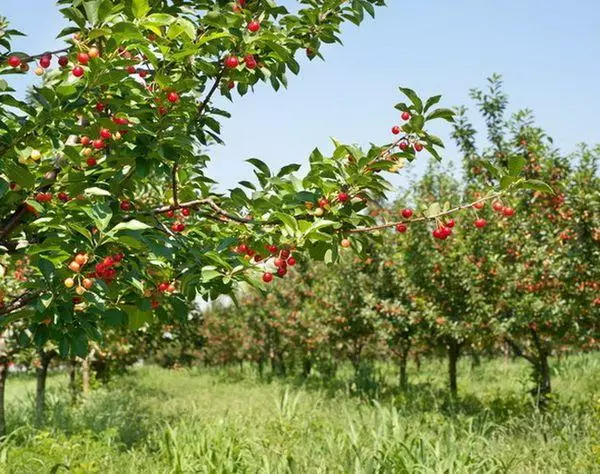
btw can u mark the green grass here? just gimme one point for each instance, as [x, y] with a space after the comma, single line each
[188, 421]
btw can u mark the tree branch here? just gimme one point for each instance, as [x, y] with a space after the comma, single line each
[388, 225]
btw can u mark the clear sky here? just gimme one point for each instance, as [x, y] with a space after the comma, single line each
[546, 50]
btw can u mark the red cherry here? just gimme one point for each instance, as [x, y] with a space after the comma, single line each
[62, 196]
[125, 205]
[232, 62]
[271, 248]
[343, 197]
[480, 223]
[243, 248]
[77, 71]
[437, 233]
[131, 69]
[267, 277]
[401, 228]
[230, 85]
[281, 271]
[253, 26]
[418, 147]
[250, 61]
[180, 227]
[497, 206]
[14, 61]
[508, 211]
[91, 161]
[170, 213]
[173, 97]
[98, 144]
[185, 211]
[407, 213]
[63, 61]
[162, 111]
[447, 231]
[40, 197]
[143, 73]
[323, 202]
[45, 61]
[396, 129]
[285, 253]
[100, 107]
[163, 287]
[85, 141]
[118, 257]
[120, 120]
[291, 261]
[258, 258]
[451, 223]
[105, 133]
[279, 262]
[405, 116]
[155, 304]
[83, 58]
[403, 145]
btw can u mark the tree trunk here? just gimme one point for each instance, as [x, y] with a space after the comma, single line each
[453, 355]
[403, 362]
[417, 358]
[541, 372]
[306, 367]
[73, 380]
[40, 389]
[3, 377]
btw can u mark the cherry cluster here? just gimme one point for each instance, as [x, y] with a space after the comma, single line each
[404, 144]
[281, 259]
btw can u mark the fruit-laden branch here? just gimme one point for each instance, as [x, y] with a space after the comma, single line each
[388, 225]
[207, 202]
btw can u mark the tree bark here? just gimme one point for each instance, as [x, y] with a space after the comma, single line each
[453, 355]
[40, 389]
[306, 367]
[3, 377]
[73, 380]
[403, 362]
[541, 372]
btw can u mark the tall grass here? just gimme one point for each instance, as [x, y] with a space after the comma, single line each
[228, 421]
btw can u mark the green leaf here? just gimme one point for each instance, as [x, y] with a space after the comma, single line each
[414, 98]
[210, 273]
[140, 8]
[129, 225]
[94, 191]
[446, 114]
[288, 221]
[260, 165]
[431, 102]
[515, 165]
[433, 210]
[19, 174]
[288, 169]
[506, 181]
[536, 185]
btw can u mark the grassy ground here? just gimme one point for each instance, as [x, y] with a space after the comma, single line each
[188, 421]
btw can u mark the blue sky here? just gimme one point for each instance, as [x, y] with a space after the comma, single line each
[546, 51]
